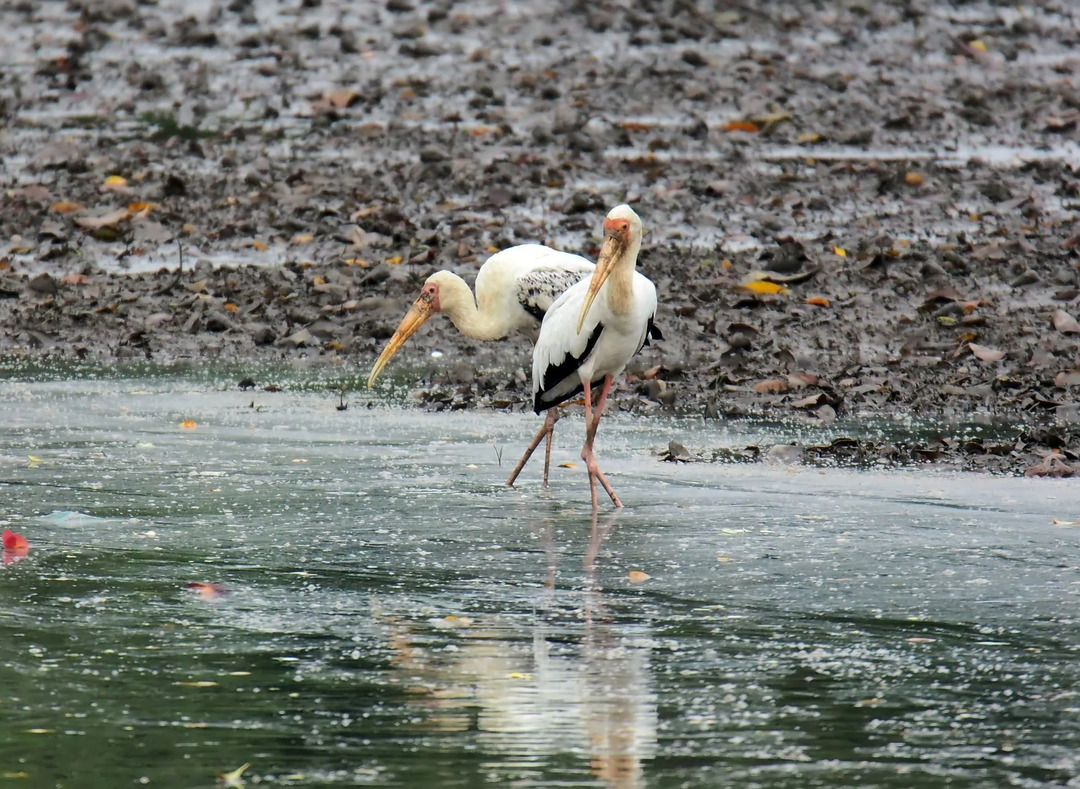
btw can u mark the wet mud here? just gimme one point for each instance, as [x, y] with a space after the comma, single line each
[853, 210]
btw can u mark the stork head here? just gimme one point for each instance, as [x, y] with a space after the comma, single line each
[622, 238]
[427, 304]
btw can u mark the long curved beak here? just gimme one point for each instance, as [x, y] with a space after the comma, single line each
[605, 264]
[419, 312]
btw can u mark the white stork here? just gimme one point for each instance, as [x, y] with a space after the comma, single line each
[582, 346]
[514, 288]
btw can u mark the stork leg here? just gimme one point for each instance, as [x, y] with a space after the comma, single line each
[546, 429]
[591, 423]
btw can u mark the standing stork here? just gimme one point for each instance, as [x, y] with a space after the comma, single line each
[514, 289]
[582, 345]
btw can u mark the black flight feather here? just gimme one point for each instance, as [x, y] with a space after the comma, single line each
[557, 373]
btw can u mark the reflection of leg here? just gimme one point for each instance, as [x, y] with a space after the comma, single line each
[546, 429]
[592, 422]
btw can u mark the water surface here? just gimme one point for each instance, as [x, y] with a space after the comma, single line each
[396, 617]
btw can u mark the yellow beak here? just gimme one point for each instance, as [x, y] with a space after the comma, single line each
[419, 312]
[605, 264]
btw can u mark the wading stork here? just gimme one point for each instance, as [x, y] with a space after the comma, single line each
[514, 288]
[592, 331]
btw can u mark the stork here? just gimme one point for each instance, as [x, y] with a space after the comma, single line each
[593, 329]
[514, 288]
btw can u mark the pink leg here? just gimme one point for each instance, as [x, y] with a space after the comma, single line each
[587, 454]
[546, 429]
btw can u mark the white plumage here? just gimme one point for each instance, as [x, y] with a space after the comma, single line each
[592, 331]
[514, 289]
[560, 363]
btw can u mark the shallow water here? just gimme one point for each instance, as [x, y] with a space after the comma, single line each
[396, 617]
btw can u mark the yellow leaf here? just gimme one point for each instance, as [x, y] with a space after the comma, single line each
[142, 208]
[492, 249]
[357, 262]
[568, 464]
[977, 45]
[808, 138]
[115, 182]
[762, 286]
[66, 207]
[40, 731]
[34, 459]
[230, 307]
[840, 252]
[637, 577]
[188, 424]
[395, 260]
[303, 238]
[259, 245]
[318, 279]
[518, 675]
[232, 778]
[726, 264]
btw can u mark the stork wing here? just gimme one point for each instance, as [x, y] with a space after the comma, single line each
[538, 288]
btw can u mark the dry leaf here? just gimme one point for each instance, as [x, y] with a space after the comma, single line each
[74, 279]
[912, 178]
[637, 577]
[114, 182]
[395, 260]
[772, 386]
[303, 238]
[1059, 522]
[808, 138]
[259, 245]
[230, 307]
[740, 126]
[341, 97]
[977, 45]
[66, 207]
[762, 286]
[985, 354]
[839, 252]
[111, 219]
[568, 464]
[188, 424]
[1065, 323]
[818, 301]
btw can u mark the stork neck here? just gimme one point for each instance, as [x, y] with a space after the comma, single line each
[620, 285]
[459, 305]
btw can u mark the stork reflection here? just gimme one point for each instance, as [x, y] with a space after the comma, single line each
[539, 691]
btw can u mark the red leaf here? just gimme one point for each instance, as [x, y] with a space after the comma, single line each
[15, 542]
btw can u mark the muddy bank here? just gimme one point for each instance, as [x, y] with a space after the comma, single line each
[857, 210]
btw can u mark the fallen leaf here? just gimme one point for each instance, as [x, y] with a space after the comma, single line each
[977, 45]
[142, 208]
[740, 126]
[261, 246]
[762, 286]
[985, 354]
[66, 207]
[208, 591]
[198, 683]
[808, 138]
[341, 97]
[568, 464]
[395, 260]
[637, 577]
[230, 307]
[303, 238]
[114, 182]
[75, 279]
[772, 386]
[111, 219]
[13, 541]
[1065, 323]
[912, 178]
[818, 301]
[839, 252]
[1059, 522]
[188, 424]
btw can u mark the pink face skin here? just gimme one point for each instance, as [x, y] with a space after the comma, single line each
[430, 293]
[616, 227]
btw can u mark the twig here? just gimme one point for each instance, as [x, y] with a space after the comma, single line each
[179, 271]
